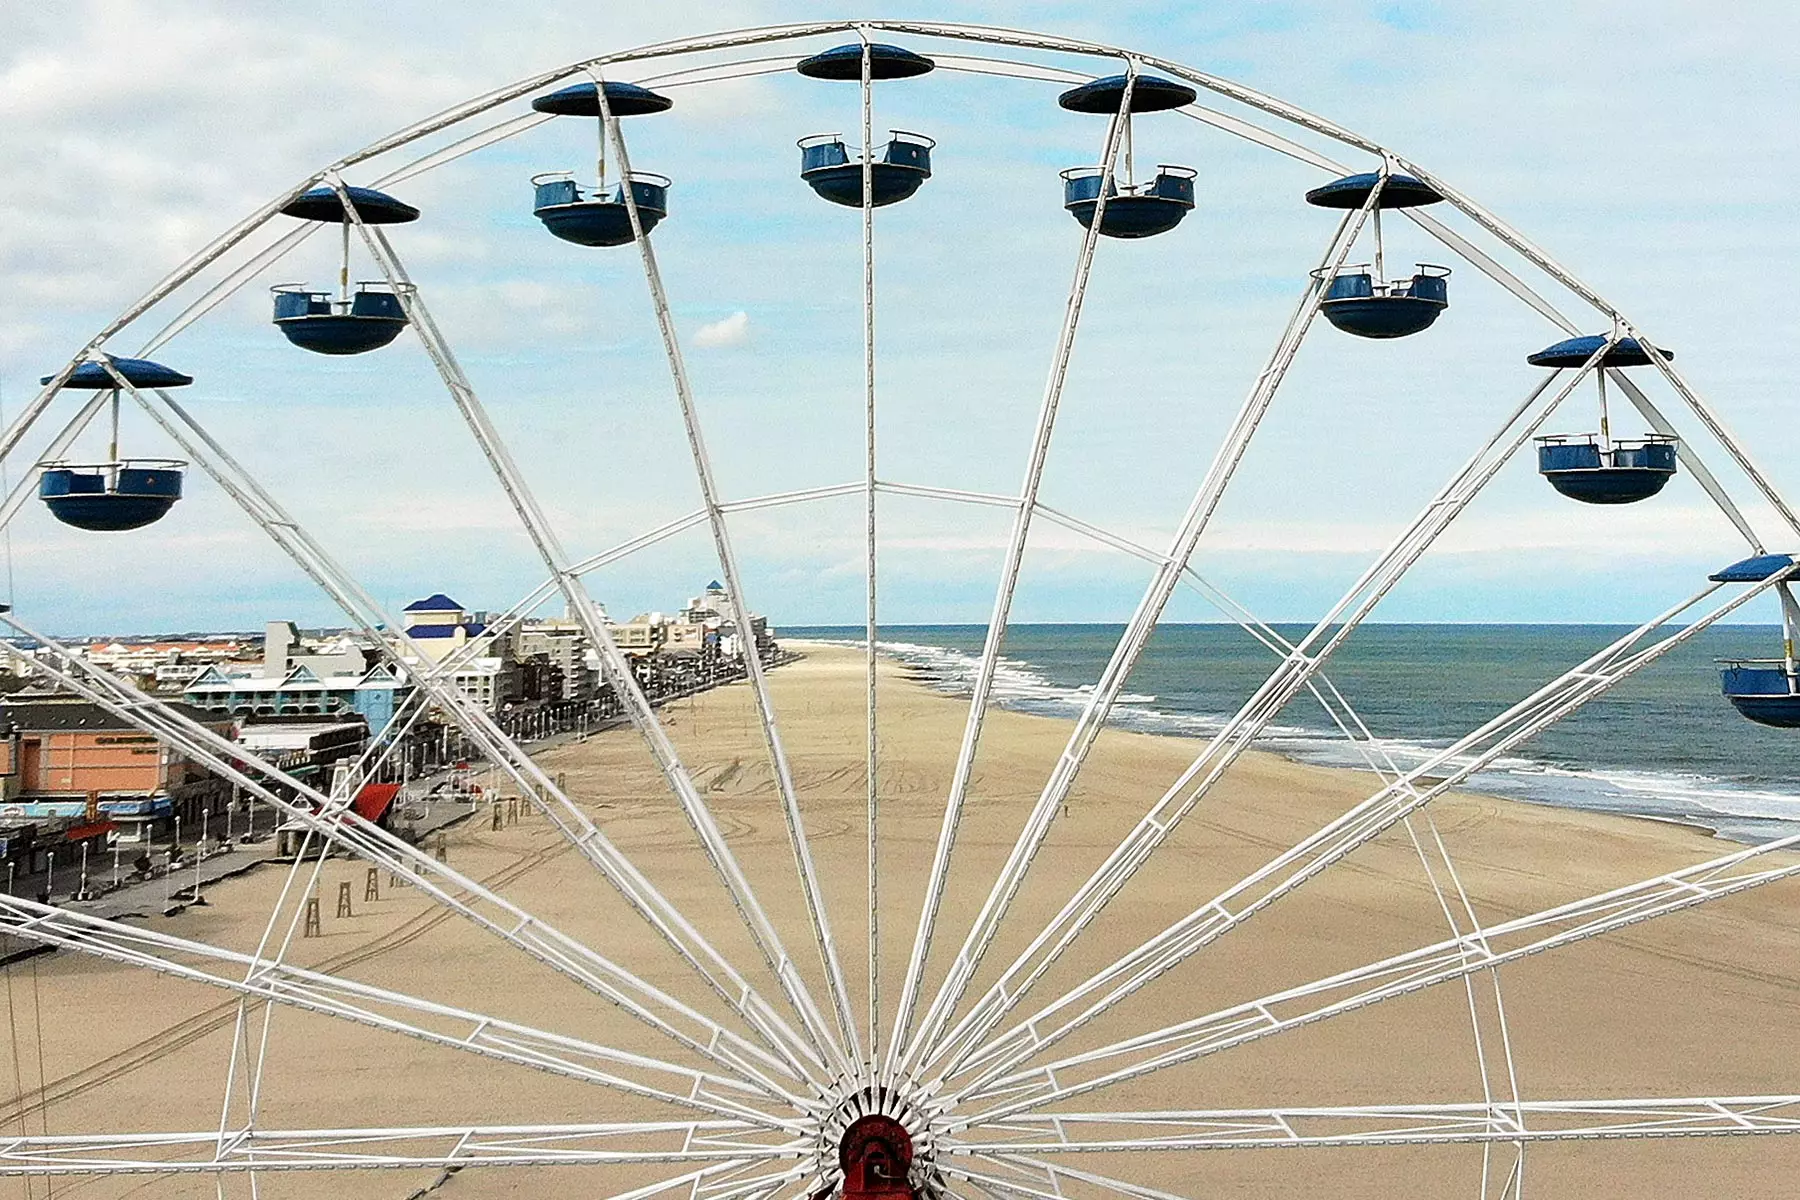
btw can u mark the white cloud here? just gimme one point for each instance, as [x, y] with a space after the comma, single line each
[731, 331]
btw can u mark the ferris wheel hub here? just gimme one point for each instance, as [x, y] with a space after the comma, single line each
[876, 1155]
[880, 1139]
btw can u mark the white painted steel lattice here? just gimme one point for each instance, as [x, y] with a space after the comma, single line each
[754, 1047]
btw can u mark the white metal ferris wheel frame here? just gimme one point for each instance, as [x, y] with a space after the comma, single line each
[783, 1074]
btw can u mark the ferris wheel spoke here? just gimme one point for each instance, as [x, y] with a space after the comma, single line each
[1383, 1125]
[729, 1186]
[1482, 949]
[901, 1046]
[1170, 570]
[844, 1047]
[1307, 659]
[871, 761]
[330, 818]
[448, 1147]
[1440, 773]
[569, 819]
[381, 1008]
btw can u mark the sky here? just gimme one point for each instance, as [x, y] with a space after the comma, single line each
[1649, 147]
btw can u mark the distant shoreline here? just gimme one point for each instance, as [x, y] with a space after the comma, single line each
[938, 680]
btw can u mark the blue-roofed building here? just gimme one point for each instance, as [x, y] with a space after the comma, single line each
[711, 610]
[439, 627]
[431, 606]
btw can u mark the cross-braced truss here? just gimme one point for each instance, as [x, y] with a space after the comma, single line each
[762, 1075]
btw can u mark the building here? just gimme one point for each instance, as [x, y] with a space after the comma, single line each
[284, 649]
[304, 747]
[692, 635]
[711, 610]
[489, 671]
[563, 644]
[713, 603]
[641, 636]
[374, 695]
[64, 757]
[166, 665]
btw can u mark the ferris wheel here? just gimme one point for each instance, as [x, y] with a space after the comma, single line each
[769, 1064]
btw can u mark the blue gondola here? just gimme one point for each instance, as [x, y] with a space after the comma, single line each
[1357, 302]
[590, 222]
[1763, 691]
[1766, 690]
[833, 169]
[1132, 210]
[1599, 469]
[600, 217]
[111, 497]
[1361, 300]
[121, 493]
[350, 324]
[1587, 469]
[1140, 210]
[313, 321]
[830, 169]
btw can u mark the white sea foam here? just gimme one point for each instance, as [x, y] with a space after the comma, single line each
[1742, 813]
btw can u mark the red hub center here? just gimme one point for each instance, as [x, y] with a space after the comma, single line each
[876, 1155]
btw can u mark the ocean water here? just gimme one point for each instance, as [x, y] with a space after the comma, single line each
[1664, 744]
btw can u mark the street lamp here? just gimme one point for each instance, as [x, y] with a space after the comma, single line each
[199, 854]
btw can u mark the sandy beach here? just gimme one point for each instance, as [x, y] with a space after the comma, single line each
[1700, 1003]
